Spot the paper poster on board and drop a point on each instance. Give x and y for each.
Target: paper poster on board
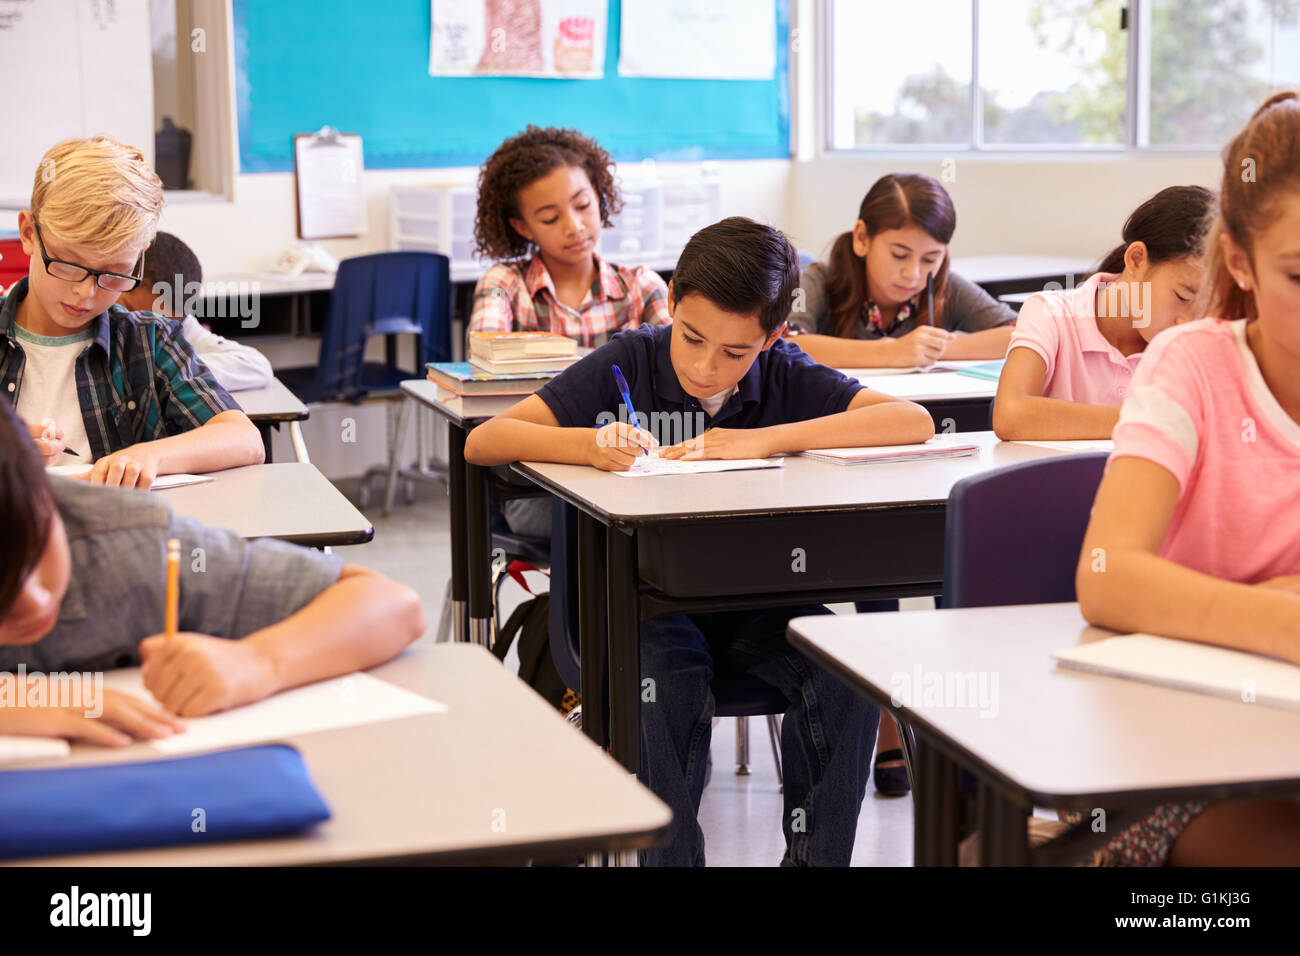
(687, 39)
(553, 39)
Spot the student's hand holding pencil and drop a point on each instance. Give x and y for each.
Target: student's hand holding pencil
(49, 441)
(195, 674)
(614, 447)
(923, 346)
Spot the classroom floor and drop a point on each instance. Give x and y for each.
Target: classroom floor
(740, 815)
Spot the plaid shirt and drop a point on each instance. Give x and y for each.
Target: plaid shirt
(137, 379)
(520, 297)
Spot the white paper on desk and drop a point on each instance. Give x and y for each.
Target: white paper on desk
(341, 702)
(934, 448)
(17, 749)
(163, 482)
(1077, 445)
(1187, 665)
(652, 464)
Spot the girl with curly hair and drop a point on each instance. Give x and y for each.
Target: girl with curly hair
(543, 197)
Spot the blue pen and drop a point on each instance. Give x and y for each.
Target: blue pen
(621, 382)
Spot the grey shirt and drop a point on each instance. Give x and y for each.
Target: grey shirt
(118, 544)
(967, 309)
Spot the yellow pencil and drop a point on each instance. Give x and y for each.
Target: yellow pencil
(171, 612)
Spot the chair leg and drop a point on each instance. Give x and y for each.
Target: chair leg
(395, 453)
(444, 622)
(742, 746)
(498, 579)
(908, 745)
(774, 732)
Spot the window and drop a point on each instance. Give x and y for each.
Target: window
(191, 69)
(1212, 63)
(1053, 74)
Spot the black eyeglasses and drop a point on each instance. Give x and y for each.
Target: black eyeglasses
(71, 272)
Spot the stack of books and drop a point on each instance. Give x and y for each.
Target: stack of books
(506, 363)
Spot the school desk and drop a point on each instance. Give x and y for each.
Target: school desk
(268, 407)
(499, 778)
(956, 402)
(291, 501)
(806, 533)
(1048, 737)
(469, 487)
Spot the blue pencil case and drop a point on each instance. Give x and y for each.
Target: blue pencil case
(209, 798)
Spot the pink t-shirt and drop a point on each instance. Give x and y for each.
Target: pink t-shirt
(1200, 408)
(1081, 365)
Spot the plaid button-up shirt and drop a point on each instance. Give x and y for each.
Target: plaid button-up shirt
(137, 379)
(520, 297)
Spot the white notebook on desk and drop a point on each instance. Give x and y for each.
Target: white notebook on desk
(17, 750)
(652, 464)
(1187, 665)
(328, 705)
(934, 448)
(1075, 445)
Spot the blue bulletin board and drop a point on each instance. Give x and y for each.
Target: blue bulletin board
(362, 67)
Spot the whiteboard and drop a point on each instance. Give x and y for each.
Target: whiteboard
(685, 39)
(74, 68)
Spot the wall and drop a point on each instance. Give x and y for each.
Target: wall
(1048, 206)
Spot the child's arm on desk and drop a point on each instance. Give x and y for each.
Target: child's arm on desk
(226, 440)
(530, 432)
(361, 620)
(872, 418)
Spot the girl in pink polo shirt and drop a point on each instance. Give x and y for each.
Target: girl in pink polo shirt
(1198, 516)
(1072, 356)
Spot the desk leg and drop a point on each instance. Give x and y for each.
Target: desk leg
(299, 446)
(935, 809)
(265, 429)
(624, 641)
(591, 628)
(479, 568)
(1003, 824)
(459, 532)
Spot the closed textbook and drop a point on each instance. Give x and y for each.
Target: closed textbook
(466, 379)
(502, 346)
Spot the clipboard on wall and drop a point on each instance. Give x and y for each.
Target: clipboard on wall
(327, 169)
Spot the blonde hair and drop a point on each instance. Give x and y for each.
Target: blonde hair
(98, 193)
(1260, 166)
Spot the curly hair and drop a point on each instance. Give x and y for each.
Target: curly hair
(523, 159)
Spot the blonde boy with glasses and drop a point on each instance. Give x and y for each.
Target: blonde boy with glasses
(122, 390)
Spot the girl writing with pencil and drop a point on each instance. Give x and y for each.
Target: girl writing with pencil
(886, 297)
(1195, 532)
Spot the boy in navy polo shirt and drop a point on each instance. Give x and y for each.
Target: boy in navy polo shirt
(723, 358)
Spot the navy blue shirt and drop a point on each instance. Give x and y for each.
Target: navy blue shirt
(783, 385)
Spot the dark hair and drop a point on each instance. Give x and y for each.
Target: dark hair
(522, 160)
(26, 506)
(894, 201)
(1171, 224)
(741, 266)
(166, 258)
(1260, 166)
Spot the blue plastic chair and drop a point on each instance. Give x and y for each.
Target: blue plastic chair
(735, 695)
(386, 293)
(1013, 534)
